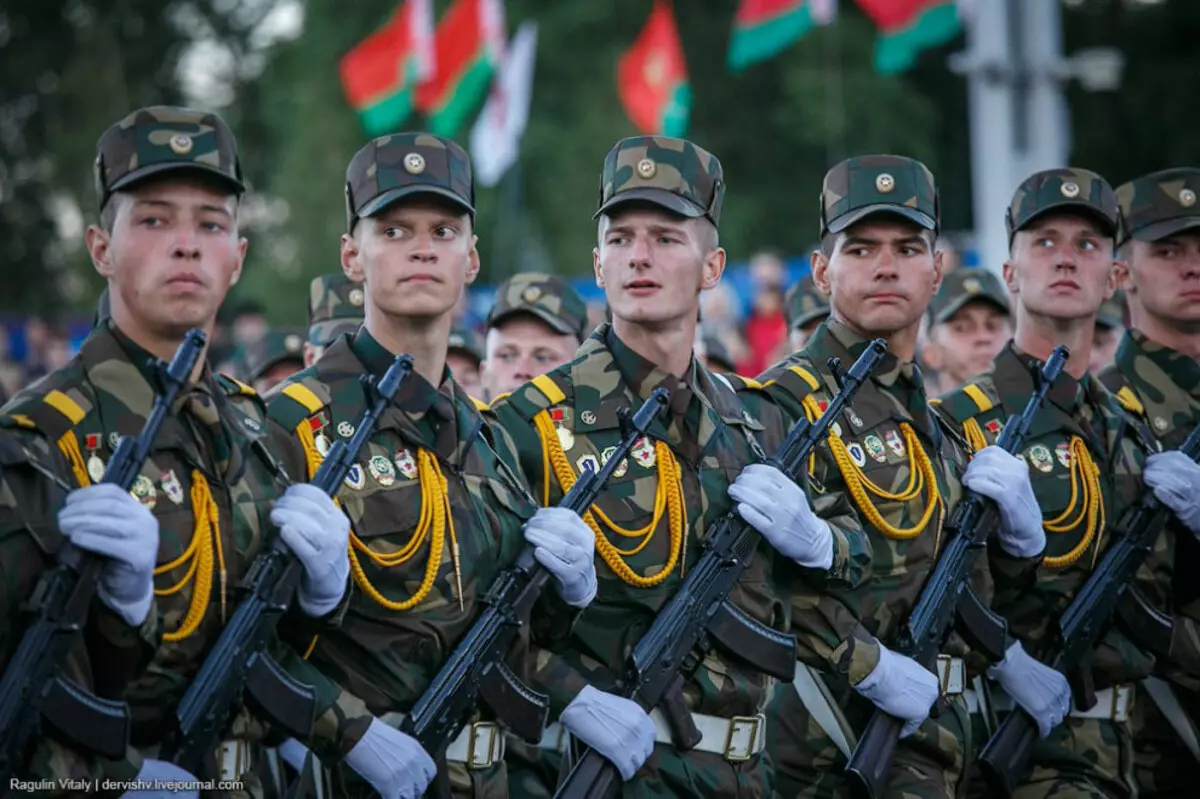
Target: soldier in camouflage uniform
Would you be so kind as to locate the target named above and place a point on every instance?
(1110, 328)
(1085, 458)
(169, 183)
(1156, 377)
(891, 471)
(335, 306)
(658, 249)
(969, 321)
(464, 357)
(805, 308)
(274, 357)
(535, 325)
(435, 506)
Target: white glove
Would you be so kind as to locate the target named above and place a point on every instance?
(901, 687)
(1040, 690)
(778, 509)
(319, 534)
(293, 753)
(392, 762)
(566, 547)
(614, 726)
(1175, 479)
(108, 521)
(165, 773)
(1004, 479)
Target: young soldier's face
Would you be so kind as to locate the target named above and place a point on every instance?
(881, 275)
(967, 343)
(1061, 267)
(172, 255)
(519, 349)
(414, 257)
(1164, 278)
(653, 264)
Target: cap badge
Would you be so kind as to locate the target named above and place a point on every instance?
(356, 297)
(646, 168)
(181, 144)
(457, 342)
(1070, 190)
(1187, 198)
(972, 286)
(291, 343)
(414, 163)
(531, 294)
(885, 183)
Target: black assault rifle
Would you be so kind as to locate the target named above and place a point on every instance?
(699, 616)
(948, 599)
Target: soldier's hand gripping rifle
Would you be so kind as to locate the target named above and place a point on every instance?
(476, 670)
(699, 616)
(948, 599)
(33, 691)
(1108, 592)
(239, 663)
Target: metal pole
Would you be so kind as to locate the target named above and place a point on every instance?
(1047, 132)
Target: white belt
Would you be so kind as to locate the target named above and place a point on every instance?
(952, 675)
(735, 739)
(234, 758)
(1112, 704)
(478, 746)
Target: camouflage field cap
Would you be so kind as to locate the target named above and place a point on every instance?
(804, 304)
(717, 353)
(1159, 205)
(393, 167)
(873, 184)
(162, 138)
(547, 297)
(335, 306)
(1112, 311)
(672, 173)
(464, 339)
(1062, 189)
(967, 285)
(276, 346)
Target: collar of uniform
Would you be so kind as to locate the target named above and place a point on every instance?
(890, 367)
(607, 377)
(1177, 368)
(417, 395)
(1067, 392)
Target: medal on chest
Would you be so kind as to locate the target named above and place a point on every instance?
(1063, 453)
(566, 439)
(622, 467)
(406, 464)
(381, 470)
(586, 462)
(355, 478)
(894, 443)
(856, 453)
(172, 487)
(643, 453)
(320, 440)
(875, 449)
(1039, 456)
(144, 491)
(95, 466)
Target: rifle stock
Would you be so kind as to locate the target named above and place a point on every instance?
(937, 610)
(32, 690)
(686, 623)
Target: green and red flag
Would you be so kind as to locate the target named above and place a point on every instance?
(380, 75)
(652, 79)
(906, 27)
(468, 45)
(764, 28)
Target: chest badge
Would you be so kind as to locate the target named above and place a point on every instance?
(172, 488)
(355, 478)
(992, 426)
(622, 467)
(1039, 456)
(1063, 453)
(587, 461)
(144, 491)
(95, 468)
(855, 419)
(1160, 424)
(382, 470)
(345, 429)
(322, 444)
(566, 439)
(856, 453)
(588, 417)
(643, 452)
(875, 448)
(894, 443)
(406, 464)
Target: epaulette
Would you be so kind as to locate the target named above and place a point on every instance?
(737, 382)
(967, 401)
(234, 387)
(797, 379)
(54, 414)
(10, 421)
(1130, 402)
(293, 402)
(537, 395)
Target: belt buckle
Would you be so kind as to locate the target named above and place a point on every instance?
(483, 757)
(233, 759)
(950, 679)
(749, 724)
(1121, 696)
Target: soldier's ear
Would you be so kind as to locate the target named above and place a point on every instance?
(596, 267)
(243, 246)
(1010, 277)
(473, 260)
(1121, 277)
(818, 262)
(714, 267)
(351, 260)
(939, 267)
(98, 239)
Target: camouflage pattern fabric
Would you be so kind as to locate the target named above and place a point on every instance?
(674, 173)
(837, 628)
(383, 656)
(1162, 387)
(464, 339)
(335, 306)
(804, 304)
(1159, 205)
(1081, 751)
(209, 458)
(712, 438)
(871, 184)
(1066, 189)
(403, 164)
(276, 346)
(159, 139)
(1112, 311)
(963, 286)
(547, 297)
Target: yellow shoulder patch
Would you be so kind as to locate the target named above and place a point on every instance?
(300, 393)
(64, 405)
(935, 401)
(241, 387)
(806, 376)
(1129, 401)
(750, 382)
(21, 420)
(549, 388)
(497, 398)
(480, 405)
(978, 397)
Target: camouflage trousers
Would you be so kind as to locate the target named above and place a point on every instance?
(930, 764)
(534, 774)
(490, 783)
(1163, 765)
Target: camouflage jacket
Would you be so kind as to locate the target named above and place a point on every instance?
(208, 474)
(1079, 416)
(711, 438)
(871, 452)
(1162, 387)
(387, 647)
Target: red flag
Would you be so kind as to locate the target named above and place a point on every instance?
(652, 79)
(381, 72)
